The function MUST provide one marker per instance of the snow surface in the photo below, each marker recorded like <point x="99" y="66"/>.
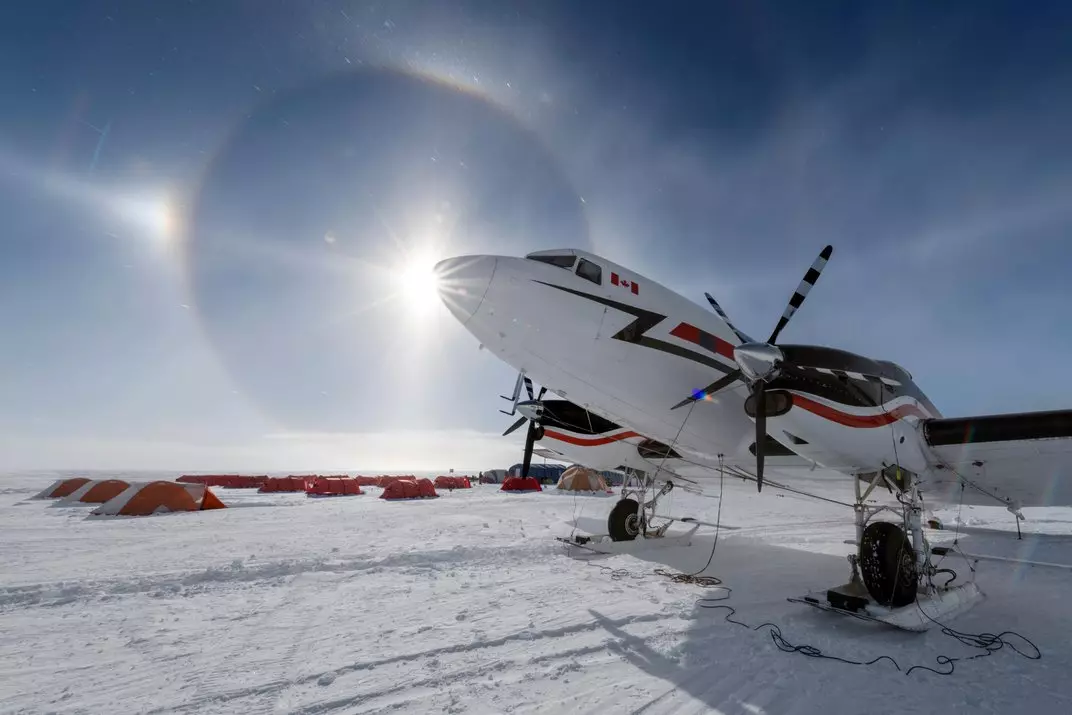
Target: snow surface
<point x="467" y="604"/>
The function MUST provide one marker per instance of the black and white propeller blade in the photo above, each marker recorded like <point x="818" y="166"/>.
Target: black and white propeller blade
<point x="760" y="395"/>
<point x="801" y="293"/>
<point x="530" y="412"/>
<point x="722" y="314"/>
<point x="759" y="363"/>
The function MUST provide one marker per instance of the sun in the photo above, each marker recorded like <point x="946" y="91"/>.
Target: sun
<point x="416" y="281"/>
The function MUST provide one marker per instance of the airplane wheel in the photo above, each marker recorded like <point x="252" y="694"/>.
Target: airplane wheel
<point x="888" y="564"/>
<point x="623" y="524"/>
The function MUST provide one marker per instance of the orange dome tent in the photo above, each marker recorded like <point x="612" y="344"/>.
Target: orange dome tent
<point x="445" y="482"/>
<point x="582" y="479"/>
<point x="333" y="487"/>
<point x="518" y="484"/>
<point x="62" y="488"/>
<point x="409" y="489"/>
<point x="157" y="497"/>
<point x="286" y="484"/>
<point x="97" y="492"/>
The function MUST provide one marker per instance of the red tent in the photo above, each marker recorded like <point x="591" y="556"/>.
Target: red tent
<point x="445" y="482"/>
<point x="285" y="484"/>
<point x="517" y="484"/>
<point x="230" y="481"/>
<point x="409" y="489"/>
<point x="333" y="487"/>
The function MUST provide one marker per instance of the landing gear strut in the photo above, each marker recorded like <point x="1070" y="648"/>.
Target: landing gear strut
<point x="893" y="575"/>
<point x="632" y="515"/>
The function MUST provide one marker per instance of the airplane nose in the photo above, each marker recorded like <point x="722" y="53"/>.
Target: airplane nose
<point x="462" y="283"/>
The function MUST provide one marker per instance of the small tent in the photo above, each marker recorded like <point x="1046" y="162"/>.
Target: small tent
<point x="333" y="487"/>
<point x="286" y="484"/>
<point x="519" y="484"/>
<point x="409" y="489"/>
<point x="158" y="497"/>
<point x="582" y="479"/>
<point x="62" y="488"/>
<point x="450" y="482"/>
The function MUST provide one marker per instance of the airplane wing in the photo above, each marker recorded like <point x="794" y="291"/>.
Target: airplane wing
<point x="550" y="454"/>
<point x="1022" y="459"/>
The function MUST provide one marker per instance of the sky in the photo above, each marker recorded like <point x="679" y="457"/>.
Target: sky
<point x="215" y="212"/>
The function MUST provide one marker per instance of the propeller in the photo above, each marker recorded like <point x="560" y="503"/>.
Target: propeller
<point x="531" y="411"/>
<point x="759" y="363"/>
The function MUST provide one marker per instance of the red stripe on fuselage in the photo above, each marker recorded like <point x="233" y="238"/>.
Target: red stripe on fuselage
<point x="588" y="441"/>
<point x="704" y="339"/>
<point x="849" y="420"/>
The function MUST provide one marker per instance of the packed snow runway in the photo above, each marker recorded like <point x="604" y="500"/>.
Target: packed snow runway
<point x="466" y="603"/>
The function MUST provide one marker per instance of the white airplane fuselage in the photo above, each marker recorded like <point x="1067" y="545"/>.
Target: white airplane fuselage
<point x="628" y="349"/>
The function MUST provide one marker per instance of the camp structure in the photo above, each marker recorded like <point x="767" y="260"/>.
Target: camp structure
<point x="583" y="480"/>
<point x="333" y="487"/>
<point x="96" y="492"/>
<point x="159" y="497"/>
<point x="409" y="489"/>
<point x="286" y="484"/>
<point x="521" y="484"/>
<point x="450" y="482"/>
<point x="492" y="476"/>
<point x="543" y="473"/>
<point x="62" y="488"/>
<point x="227" y="481"/>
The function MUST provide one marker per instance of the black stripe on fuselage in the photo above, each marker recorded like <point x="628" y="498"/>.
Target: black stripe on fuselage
<point x="1055" y="424"/>
<point x="645" y="321"/>
<point x="840" y="387"/>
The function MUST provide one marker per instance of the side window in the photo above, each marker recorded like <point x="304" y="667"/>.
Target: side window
<point x="590" y="271"/>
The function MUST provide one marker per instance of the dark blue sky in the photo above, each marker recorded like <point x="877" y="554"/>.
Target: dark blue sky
<point x="206" y="285"/>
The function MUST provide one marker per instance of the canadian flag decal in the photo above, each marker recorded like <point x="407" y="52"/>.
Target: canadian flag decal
<point x="631" y="285"/>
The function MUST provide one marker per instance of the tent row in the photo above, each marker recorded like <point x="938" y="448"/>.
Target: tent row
<point x="394" y="487"/>
<point x="118" y="497"/>
<point x="305" y="483"/>
<point x="575" y="479"/>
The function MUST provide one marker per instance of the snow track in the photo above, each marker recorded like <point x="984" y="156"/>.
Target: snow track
<point x="466" y="604"/>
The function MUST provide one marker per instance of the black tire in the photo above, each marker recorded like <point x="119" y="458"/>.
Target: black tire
<point x="623" y="524"/>
<point x="888" y="564"/>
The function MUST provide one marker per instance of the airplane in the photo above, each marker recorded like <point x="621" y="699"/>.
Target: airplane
<point x="676" y="394"/>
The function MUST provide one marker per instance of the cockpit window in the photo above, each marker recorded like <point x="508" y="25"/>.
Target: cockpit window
<point x="590" y="271"/>
<point x="560" y="261"/>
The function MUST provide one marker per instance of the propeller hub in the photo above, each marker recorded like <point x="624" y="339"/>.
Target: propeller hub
<point x="533" y="409"/>
<point x="758" y="361"/>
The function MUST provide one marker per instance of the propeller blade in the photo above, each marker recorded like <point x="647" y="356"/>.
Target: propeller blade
<point x="760" y="395"/>
<point x="801" y="292"/>
<point x="543" y="391"/>
<point x="530" y="441"/>
<point x="528" y="386"/>
<point x="514" y="426"/>
<point x="711" y="389"/>
<point x="726" y="319"/>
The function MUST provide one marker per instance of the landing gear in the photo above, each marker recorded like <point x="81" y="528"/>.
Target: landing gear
<point x="892" y="577"/>
<point x="633" y="515"/>
<point x="888" y="564"/>
<point x="623" y="524"/>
